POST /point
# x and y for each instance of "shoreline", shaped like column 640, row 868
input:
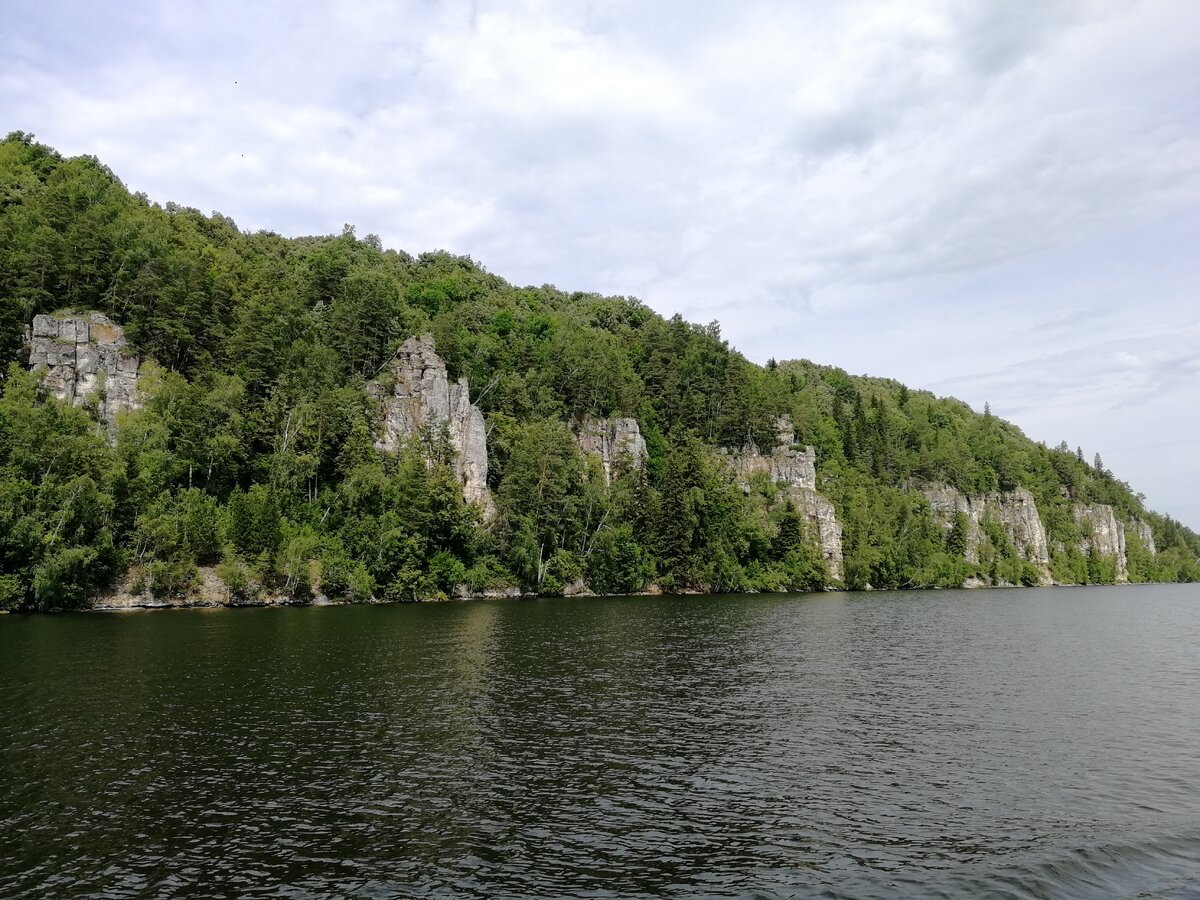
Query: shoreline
column 139, row 604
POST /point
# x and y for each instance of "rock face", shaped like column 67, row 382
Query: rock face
column 419, row 401
column 796, row 471
column 786, row 464
column 820, row 512
column 616, row 441
column 83, row 357
column 1145, row 535
column 1018, row 513
column 1107, row 534
column 1015, row 510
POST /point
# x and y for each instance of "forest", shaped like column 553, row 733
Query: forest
column 253, row 455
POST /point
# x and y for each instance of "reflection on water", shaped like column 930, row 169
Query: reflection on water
column 1021, row 743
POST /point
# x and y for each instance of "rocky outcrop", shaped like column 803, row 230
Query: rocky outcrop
column 618, row 443
column 85, row 358
column 1015, row 510
column 206, row 591
column 820, row 513
column 1018, row 513
column 795, row 470
column 1105, row 534
column 786, row 464
column 419, row 402
column 1144, row 534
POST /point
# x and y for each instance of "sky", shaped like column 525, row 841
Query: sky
column 994, row 200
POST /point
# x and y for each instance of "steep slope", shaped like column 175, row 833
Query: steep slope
column 286, row 419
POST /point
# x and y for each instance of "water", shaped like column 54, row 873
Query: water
column 1036, row 743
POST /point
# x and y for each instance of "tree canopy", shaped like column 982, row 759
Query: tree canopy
column 254, row 456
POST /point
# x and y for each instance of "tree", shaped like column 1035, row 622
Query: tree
column 255, row 447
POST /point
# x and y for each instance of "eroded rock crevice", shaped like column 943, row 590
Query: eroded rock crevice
column 419, row 401
column 617, row 441
column 1104, row 534
column 1016, row 511
column 85, row 358
column 795, row 470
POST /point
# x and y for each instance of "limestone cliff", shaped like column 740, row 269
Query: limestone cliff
column 85, row 357
column 821, row 514
column 1015, row 510
column 618, row 442
column 796, row 471
column 1145, row 535
column 1105, row 534
column 418, row 400
column 786, row 464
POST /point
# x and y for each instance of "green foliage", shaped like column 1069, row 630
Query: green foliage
column 237, row 578
column 58, row 494
column 254, row 451
column 63, row 579
column 254, row 521
column 11, row 592
column 618, row 564
column 345, row 578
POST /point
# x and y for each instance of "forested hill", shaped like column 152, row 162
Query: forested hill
column 222, row 416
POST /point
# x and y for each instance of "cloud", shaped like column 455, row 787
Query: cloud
column 923, row 190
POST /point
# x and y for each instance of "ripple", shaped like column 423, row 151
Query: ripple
column 943, row 744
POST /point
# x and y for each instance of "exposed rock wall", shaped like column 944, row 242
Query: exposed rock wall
column 1018, row 513
column 616, row 441
column 83, row 357
column 1145, row 535
column 820, row 513
column 1106, row 534
column 946, row 502
column 786, row 464
column 418, row 401
column 796, row 471
column 1015, row 510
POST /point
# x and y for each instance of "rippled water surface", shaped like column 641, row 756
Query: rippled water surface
column 1035, row 743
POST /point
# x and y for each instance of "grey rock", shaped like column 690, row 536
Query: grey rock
column 618, row 443
column 821, row 515
column 1106, row 534
column 785, row 431
column 1018, row 513
column 1015, row 510
column 419, row 402
column 795, row 470
column 82, row 357
column 87, row 360
column 1145, row 535
column 787, row 465
column 45, row 327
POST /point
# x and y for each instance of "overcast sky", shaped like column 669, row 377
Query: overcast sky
column 998, row 201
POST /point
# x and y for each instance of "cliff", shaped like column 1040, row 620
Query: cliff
column 84, row 358
column 419, row 401
column 1104, row 533
column 795, row 470
column 265, row 338
column 1016, row 511
column 618, row 443
column 1145, row 535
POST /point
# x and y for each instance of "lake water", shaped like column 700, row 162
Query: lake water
column 1021, row 743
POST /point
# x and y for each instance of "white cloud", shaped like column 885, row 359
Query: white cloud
column 924, row 190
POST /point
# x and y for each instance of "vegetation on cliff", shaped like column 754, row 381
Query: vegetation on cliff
column 254, row 449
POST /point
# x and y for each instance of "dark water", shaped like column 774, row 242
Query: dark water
column 1038, row 743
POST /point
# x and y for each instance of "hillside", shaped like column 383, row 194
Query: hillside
column 217, row 416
